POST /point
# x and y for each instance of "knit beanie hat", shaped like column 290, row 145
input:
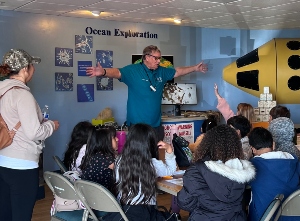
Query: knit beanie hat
column 282, row 130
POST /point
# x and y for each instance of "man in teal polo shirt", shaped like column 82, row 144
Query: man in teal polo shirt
column 145, row 83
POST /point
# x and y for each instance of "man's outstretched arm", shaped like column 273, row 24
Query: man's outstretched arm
column 181, row 71
column 100, row 71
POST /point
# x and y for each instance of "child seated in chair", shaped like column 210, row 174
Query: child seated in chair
column 98, row 162
column 77, row 146
column 136, row 171
column 242, row 126
column 277, row 172
column 213, row 187
column 207, row 124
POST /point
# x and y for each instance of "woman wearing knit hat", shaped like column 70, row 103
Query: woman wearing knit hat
column 282, row 130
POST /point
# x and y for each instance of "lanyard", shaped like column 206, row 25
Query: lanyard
column 153, row 88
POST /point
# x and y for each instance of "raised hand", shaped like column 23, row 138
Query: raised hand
column 217, row 92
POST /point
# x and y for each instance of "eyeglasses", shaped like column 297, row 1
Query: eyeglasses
column 155, row 57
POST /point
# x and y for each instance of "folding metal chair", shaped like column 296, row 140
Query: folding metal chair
column 63, row 188
column 61, row 165
column 290, row 207
column 96, row 196
column 271, row 209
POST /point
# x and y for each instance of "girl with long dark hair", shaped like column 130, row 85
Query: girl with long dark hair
column 137, row 169
column 77, row 146
column 98, row 162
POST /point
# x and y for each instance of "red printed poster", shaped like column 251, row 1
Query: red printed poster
column 185, row 130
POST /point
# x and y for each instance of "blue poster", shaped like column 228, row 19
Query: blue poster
column 82, row 65
column 85, row 92
column 83, row 44
column 64, row 57
column 63, row 81
column 105, row 58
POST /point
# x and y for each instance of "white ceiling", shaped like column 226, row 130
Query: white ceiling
column 228, row 14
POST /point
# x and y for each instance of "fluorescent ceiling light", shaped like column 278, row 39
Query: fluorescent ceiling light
column 96, row 13
column 177, row 20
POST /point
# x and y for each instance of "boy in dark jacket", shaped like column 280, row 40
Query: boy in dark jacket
column 277, row 172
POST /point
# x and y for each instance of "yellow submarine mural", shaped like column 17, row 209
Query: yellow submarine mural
column 275, row 64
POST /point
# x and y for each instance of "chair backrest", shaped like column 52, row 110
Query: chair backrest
column 61, row 165
column 96, row 196
column 60, row 185
column 290, row 207
column 271, row 209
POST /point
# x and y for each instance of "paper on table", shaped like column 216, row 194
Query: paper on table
column 178, row 181
column 179, row 172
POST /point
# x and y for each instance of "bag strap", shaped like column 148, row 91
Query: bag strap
column 9, row 90
column 18, row 125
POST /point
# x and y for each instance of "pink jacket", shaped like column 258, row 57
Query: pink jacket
column 224, row 108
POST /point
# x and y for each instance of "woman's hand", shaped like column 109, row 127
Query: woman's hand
column 217, row 92
column 166, row 146
column 56, row 124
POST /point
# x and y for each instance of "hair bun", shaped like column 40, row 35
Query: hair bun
column 4, row 70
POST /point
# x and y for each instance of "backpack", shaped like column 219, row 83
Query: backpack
column 6, row 135
column 184, row 155
column 59, row 204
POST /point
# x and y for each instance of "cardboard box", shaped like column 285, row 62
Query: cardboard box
column 258, row 118
column 263, row 97
column 268, row 104
column 269, row 97
column 262, row 111
column 298, row 139
column 102, row 122
column 266, row 90
column 273, row 104
column 261, row 104
column 268, row 109
column 265, row 118
column 256, row 110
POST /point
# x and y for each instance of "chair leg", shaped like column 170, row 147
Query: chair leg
column 85, row 215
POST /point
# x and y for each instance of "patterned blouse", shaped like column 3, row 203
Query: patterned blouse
column 98, row 171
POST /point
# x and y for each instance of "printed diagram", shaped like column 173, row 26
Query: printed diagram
column 83, row 44
column 64, row 81
column 64, row 57
column 105, row 58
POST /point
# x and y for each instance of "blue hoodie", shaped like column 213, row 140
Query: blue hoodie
column 276, row 173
